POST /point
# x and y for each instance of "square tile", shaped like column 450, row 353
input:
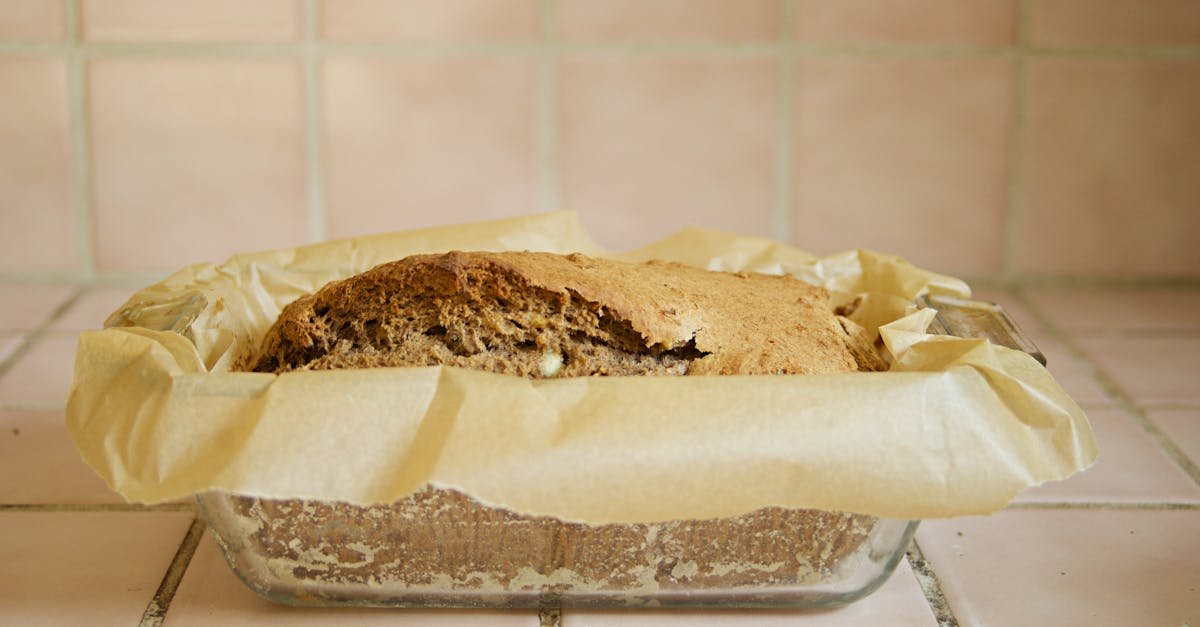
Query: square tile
column 42, row 374
column 899, row 602
column 474, row 20
column 212, row 595
column 906, row 156
column 1114, row 23
column 215, row 167
column 1068, row 567
column 1149, row 369
column 26, row 20
column 9, row 342
column 694, row 20
column 92, row 308
column 650, row 145
column 1124, row 308
column 1183, row 427
column 181, row 20
column 1131, row 468
column 40, row 464
column 28, row 306
column 84, row 568
column 420, row 142
column 38, row 222
column 982, row 22
column 1109, row 174
column 1075, row 375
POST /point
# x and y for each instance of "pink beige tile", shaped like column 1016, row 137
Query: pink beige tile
column 1068, row 567
column 983, row 22
column 1110, row 183
column 84, row 568
column 1131, row 468
column 211, row 594
column 24, row 20
column 10, row 341
column 899, row 602
column 907, row 156
column 489, row 20
column 181, row 20
column 1075, row 375
column 1183, row 427
column 38, row 225
column 1149, row 369
column 703, row 20
column 92, row 308
column 1016, row 310
column 40, row 464
column 42, row 374
column 652, row 145
column 29, row 305
column 1114, row 23
column 214, row 167
column 1128, row 308
column 422, row 142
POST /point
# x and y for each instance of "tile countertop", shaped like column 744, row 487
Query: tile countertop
column 1116, row 545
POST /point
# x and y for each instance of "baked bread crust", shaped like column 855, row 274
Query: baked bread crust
column 511, row 312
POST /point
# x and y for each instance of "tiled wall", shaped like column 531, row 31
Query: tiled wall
column 994, row 138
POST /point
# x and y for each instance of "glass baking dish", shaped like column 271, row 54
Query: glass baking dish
column 441, row 548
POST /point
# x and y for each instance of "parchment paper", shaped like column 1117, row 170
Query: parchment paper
column 956, row 427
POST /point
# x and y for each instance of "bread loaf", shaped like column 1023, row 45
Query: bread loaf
column 542, row 315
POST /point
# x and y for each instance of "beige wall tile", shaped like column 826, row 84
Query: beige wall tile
column 651, row 145
column 1067, row 567
column 1111, row 170
column 25, row 20
column 195, row 159
column 422, row 142
column 84, row 568
column 1115, row 22
column 1074, row 374
column 705, row 20
column 185, row 20
column 431, row 19
column 979, row 22
column 38, row 224
column 907, row 156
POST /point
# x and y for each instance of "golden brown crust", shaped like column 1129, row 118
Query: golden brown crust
column 473, row 309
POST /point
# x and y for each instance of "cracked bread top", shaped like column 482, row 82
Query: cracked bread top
column 543, row 314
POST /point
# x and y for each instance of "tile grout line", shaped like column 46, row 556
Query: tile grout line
column 40, row 331
column 930, row 585
column 1016, row 147
column 156, row 609
column 313, row 148
column 81, row 157
column 781, row 225
column 548, row 105
column 1110, row 387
